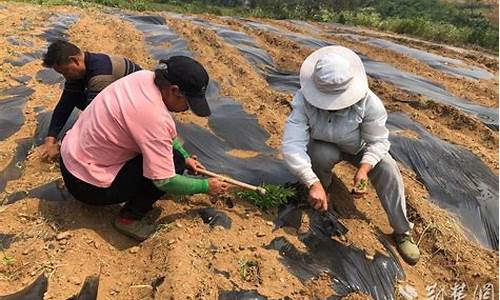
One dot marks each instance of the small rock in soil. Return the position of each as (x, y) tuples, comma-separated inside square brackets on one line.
[(63, 235)]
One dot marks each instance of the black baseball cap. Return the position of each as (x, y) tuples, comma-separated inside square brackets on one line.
[(191, 78)]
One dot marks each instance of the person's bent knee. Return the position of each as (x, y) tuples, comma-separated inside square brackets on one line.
[(323, 153), (387, 165)]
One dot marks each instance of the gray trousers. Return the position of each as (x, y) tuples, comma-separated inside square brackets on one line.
[(385, 177)]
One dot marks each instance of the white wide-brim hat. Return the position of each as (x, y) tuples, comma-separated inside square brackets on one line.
[(333, 78)]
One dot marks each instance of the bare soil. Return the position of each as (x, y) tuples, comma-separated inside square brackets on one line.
[(187, 259)]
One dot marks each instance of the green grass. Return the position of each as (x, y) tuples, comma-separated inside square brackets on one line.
[(478, 32), (133, 5), (275, 196), (6, 260), (249, 269), (143, 5)]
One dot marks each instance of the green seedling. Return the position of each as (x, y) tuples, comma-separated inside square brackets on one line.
[(275, 196), (7, 260), (249, 269), (360, 189), (361, 185)]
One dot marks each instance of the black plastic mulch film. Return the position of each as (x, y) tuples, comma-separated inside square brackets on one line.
[(451, 66), (11, 120), (14, 99), (233, 128), (34, 291), (57, 28), (406, 81), (470, 193), (11, 109), (37, 289), (457, 180)]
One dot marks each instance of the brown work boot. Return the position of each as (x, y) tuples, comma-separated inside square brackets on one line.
[(407, 248), (136, 229)]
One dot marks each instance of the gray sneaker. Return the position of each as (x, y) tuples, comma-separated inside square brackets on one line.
[(407, 248), (136, 229)]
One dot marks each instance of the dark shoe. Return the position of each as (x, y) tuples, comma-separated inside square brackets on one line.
[(136, 229), (407, 248), (153, 215)]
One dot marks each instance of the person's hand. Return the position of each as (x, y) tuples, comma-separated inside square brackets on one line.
[(50, 149), (217, 186), (317, 197), (361, 179), (193, 165)]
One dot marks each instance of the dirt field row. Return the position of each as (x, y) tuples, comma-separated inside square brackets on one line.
[(187, 259)]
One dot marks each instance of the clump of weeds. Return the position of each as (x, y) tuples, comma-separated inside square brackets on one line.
[(249, 270), (275, 196)]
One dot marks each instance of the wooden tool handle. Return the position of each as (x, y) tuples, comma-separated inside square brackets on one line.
[(247, 186)]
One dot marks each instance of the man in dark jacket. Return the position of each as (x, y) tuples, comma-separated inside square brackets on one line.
[(86, 75)]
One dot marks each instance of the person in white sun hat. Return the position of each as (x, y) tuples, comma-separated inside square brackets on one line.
[(336, 117)]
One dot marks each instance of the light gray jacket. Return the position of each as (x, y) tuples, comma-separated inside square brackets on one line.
[(359, 127)]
